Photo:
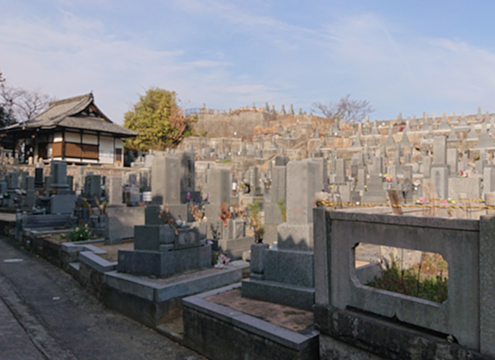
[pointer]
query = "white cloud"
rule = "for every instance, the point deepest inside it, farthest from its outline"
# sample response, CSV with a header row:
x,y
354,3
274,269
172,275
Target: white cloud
x,y
266,60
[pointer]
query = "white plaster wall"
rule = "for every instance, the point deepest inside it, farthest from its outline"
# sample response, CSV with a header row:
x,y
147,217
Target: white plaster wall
x,y
73,137
90,139
57,137
106,150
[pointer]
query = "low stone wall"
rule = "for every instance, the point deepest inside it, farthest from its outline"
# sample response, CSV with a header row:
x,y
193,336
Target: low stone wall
x,y
218,332
467,245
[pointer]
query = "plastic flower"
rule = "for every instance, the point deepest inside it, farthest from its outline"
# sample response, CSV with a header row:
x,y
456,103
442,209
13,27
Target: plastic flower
x,y
188,196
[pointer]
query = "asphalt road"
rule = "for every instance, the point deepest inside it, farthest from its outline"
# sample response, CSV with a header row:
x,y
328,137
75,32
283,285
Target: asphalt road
x,y
45,314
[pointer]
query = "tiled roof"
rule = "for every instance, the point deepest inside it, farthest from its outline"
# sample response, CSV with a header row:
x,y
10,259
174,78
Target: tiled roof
x,y
68,113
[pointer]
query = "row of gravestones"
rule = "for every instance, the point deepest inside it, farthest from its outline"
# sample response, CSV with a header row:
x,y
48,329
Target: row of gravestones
x,y
362,181
158,248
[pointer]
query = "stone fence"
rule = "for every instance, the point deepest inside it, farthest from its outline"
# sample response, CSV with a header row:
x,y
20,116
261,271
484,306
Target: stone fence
x,y
467,245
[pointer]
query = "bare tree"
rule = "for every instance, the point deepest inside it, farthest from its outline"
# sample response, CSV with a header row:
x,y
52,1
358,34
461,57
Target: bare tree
x,y
23,105
346,110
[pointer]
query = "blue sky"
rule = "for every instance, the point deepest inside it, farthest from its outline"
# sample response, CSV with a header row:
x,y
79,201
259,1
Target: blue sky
x,y
409,57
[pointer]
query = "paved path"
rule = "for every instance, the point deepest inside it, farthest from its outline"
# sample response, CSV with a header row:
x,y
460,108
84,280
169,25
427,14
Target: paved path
x,y
45,314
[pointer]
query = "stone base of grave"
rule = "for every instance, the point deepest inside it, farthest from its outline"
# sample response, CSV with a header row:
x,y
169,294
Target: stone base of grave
x,y
287,278
300,297
166,263
156,301
233,248
220,332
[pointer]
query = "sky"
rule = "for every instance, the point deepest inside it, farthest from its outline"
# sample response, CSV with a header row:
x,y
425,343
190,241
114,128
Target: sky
x,y
401,56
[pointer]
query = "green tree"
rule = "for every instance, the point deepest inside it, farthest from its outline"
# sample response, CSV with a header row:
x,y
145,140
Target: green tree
x,y
158,120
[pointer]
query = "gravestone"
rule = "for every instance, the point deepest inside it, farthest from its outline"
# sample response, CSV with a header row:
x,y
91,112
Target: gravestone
x,y
59,174
24,175
488,180
219,189
485,141
30,192
340,171
38,177
287,275
232,240
164,250
70,183
165,180
274,202
113,190
92,187
439,170
452,160
187,174
13,180
145,179
407,180
254,181
48,184
374,189
361,180
426,166
132,179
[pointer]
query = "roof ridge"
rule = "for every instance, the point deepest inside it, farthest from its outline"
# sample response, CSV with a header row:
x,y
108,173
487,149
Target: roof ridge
x,y
72,99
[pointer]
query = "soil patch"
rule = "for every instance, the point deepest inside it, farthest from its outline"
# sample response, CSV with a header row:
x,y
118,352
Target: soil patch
x,y
284,316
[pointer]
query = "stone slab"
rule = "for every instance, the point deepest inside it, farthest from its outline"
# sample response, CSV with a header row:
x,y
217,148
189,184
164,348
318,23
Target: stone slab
x,y
141,262
296,296
289,267
95,262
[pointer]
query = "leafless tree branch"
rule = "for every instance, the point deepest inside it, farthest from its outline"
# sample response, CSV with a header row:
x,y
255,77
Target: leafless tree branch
x,y
346,110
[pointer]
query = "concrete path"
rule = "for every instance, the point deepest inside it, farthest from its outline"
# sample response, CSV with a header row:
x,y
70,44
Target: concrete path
x,y
45,314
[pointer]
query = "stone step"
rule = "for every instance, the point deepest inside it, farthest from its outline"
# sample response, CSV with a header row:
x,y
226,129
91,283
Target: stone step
x,y
75,265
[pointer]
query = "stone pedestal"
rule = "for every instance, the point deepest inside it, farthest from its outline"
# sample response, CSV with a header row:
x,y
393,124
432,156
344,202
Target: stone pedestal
x,y
233,241
159,251
288,275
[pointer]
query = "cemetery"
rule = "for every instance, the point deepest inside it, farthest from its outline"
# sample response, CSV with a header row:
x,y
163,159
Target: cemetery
x,y
264,244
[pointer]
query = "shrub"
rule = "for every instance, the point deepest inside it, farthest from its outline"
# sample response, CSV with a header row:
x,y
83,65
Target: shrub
x,y
79,233
411,282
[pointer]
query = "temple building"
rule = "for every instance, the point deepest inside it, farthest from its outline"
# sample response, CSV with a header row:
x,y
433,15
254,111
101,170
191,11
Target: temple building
x,y
74,130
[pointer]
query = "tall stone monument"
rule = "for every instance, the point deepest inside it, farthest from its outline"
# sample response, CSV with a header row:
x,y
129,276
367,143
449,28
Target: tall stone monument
x,y
285,274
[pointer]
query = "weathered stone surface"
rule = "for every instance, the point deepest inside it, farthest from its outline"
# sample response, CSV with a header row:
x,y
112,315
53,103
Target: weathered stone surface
x,y
165,180
113,190
487,285
350,335
289,267
120,222
295,236
164,264
458,316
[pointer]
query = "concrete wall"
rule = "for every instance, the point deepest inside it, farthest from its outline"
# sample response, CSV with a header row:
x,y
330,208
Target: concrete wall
x,y
467,246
